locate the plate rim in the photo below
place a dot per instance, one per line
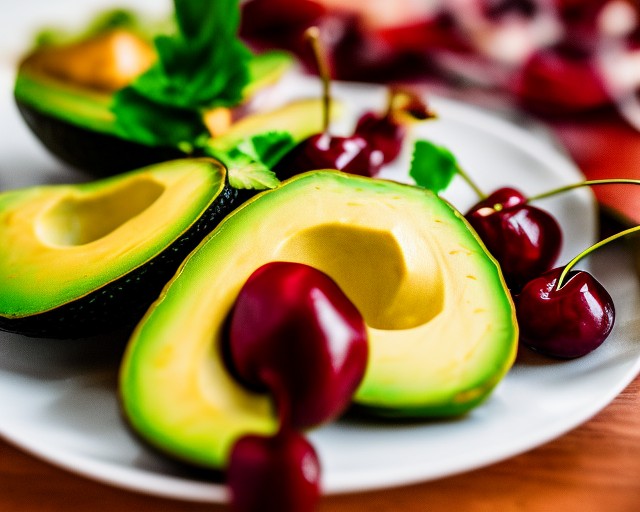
(175, 487)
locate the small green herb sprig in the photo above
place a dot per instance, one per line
(202, 65)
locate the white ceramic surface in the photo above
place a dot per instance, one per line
(59, 397)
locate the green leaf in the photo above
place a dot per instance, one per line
(268, 147)
(251, 175)
(432, 166)
(250, 162)
(202, 65)
(146, 122)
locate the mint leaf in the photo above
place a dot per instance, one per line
(268, 147)
(246, 174)
(147, 122)
(250, 162)
(203, 65)
(432, 166)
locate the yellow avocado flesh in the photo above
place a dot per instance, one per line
(106, 62)
(441, 323)
(62, 242)
(56, 85)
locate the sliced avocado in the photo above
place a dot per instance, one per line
(79, 260)
(301, 118)
(65, 93)
(441, 322)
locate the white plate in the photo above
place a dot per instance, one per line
(59, 398)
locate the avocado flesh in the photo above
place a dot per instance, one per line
(89, 106)
(78, 260)
(441, 323)
(75, 122)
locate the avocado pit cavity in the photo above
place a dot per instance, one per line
(78, 220)
(378, 270)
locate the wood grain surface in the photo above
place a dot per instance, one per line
(594, 468)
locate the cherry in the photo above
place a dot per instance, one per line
(564, 313)
(353, 154)
(561, 79)
(294, 333)
(386, 132)
(279, 473)
(525, 240)
(496, 9)
(323, 151)
(565, 321)
(282, 22)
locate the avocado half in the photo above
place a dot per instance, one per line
(441, 323)
(80, 260)
(64, 94)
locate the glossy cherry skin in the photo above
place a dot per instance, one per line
(383, 133)
(279, 23)
(353, 154)
(279, 473)
(565, 323)
(495, 10)
(560, 80)
(525, 240)
(294, 333)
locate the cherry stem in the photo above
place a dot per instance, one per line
(587, 183)
(588, 251)
(391, 97)
(312, 35)
(470, 182)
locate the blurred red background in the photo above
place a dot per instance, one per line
(573, 65)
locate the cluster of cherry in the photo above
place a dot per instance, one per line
(551, 56)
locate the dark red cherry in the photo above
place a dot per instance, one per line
(525, 240)
(279, 473)
(580, 17)
(560, 80)
(294, 333)
(497, 9)
(567, 322)
(386, 132)
(354, 155)
(279, 23)
(383, 133)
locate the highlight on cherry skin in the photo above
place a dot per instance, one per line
(294, 334)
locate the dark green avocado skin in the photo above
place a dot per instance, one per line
(119, 305)
(96, 153)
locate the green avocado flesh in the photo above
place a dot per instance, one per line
(91, 109)
(80, 259)
(441, 324)
(77, 125)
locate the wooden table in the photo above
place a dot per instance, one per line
(594, 468)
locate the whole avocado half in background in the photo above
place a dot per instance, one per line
(85, 259)
(64, 93)
(441, 323)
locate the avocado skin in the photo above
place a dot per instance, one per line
(96, 153)
(120, 304)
